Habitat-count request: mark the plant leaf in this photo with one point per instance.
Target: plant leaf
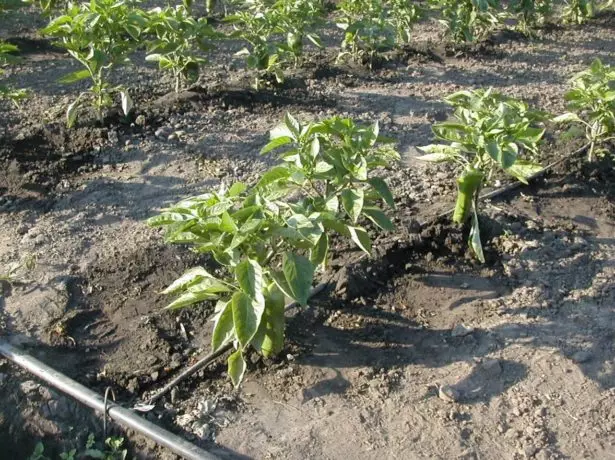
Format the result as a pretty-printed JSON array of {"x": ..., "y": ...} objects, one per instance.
[
  {"x": 474, "y": 239},
  {"x": 247, "y": 315},
  {"x": 383, "y": 190},
  {"x": 299, "y": 274},
  {"x": 236, "y": 367},
  {"x": 224, "y": 328},
  {"x": 360, "y": 238},
  {"x": 352, "y": 201},
  {"x": 190, "y": 278},
  {"x": 318, "y": 255},
  {"x": 378, "y": 217}
]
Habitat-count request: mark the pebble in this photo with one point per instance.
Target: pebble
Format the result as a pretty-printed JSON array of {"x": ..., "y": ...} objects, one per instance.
[
  {"x": 448, "y": 393},
  {"x": 29, "y": 386},
  {"x": 582, "y": 356},
  {"x": 461, "y": 330}
]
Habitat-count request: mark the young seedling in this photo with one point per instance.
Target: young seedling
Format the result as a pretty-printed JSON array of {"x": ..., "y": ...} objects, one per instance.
[
  {"x": 468, "y": 21},
  {"x": 179, "y": 41},
  {"x": 367, "y": 30},
  {"x": 592, "y": 99},
  {"x": 488, "y": 132},
  {"x": 100, "y": 35},
  {"x": 269, "y": 239}
]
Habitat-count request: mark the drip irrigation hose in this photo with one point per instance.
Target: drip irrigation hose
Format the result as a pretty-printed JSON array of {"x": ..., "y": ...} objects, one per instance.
[
  {"x": 123, "y": 416},
  {"x": 211, "y": 357}
]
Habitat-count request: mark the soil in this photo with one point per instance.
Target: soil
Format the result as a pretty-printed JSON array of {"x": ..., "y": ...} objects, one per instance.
[{"x": 416, "y": 352}]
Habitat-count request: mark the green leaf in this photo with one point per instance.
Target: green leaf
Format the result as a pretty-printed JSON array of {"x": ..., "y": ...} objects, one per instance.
[
  {"x": 504, "y": 157},
  {"x": 360, "y": 238},
  {"x": 227, "y": 223},
  {"x": 299, "y": 274},
  {"x": 247, "y": 316},
  {"x": 127, "y": 104},
  {"x": 273, "y": 175},
  {"x": 383, "y": 190},
  {"x": 75, "y": 76},
  {"x": 293, "y": 125},
  {"x": 307, "y": 228},
  {"x": 474, "y": 240},
  {"x": 276, "y": 143},
  {"x": 567, "y": 117},
  {"x": 190, "y": 278},
  {"x": 237, "y": 189},
  {"x": 318, "y": 255},
  {"x": 378, "y": 217},
  {"x": 249, "y": 275},
  {"x": 224, "y": 328},
  {"x": 530, "y": 135},
  {"x": 236, "y": 367},
  {"x": 269, "y": 339},
  {"x": 522, "y": 170},
  {"x": 190, "y": 298},
  {"x": 71, "y": 113},
  {"x": 352, "y": 201}
]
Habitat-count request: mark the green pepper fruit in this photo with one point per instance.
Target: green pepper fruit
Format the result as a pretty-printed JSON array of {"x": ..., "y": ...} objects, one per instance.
[{"x": 468, "y": 185}]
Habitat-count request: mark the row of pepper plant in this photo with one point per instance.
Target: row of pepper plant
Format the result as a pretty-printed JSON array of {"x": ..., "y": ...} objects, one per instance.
[{"x": 102, "y": 35}]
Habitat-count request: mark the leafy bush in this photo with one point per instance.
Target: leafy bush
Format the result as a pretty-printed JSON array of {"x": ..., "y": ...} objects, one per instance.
[
  {"x": 269, "y": 239},
  {"x": 592, "y": 98},
  {"x": 178, "y": 38},
  {"x": 488, "y": 132},
  {"x": 100, "y": 35},
  {"x": 578, "y": 11},
  {"x": 275, "y": 32},
  {"x": 532, "y": 14},
  {"x": 468, "y": 20},
  {"x": 403, "y": 14},
  {"x": 367, "y": 29}
]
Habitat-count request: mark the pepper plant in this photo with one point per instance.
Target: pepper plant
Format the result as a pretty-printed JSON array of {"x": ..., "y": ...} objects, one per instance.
[
  {"x": 100, "y": 35},
  {"x": 488, "y": 132},
  {"x": 275, "y": 33},
  {"x": 532, "y": 14},
  {"x": 578, "y": 11},
  {"x": 404, "y": 15},
  {"x": 269, "y": 239},
  {"x": 592, "y": 99},
  {"x": 367, "y": 30},
  {"x": 468, "y": 21},
  {"x": 179, "y": 41}
]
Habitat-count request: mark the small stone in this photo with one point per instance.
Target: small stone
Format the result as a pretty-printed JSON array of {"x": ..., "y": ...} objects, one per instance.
[
  {"x": 448, "y": 393},
  {"x": 29, "y": 386},
  {"x": 530, "y": 450},
  {"x": 582, "y": 356},
  {"x": 540, "y": 412},
  {"x": 154, "y": 376},
  {"x": 461, "y": 330}
]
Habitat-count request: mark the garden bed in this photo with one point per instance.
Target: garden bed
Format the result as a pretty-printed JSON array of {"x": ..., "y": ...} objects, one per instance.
[{"x": 523, "y": 344}]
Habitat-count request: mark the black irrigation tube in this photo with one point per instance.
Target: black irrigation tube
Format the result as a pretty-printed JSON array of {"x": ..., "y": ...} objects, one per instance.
[{"x": 123, "y": 416}]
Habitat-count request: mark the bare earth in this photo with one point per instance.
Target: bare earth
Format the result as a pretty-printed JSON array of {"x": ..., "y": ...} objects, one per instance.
[{"x": 415, "y": 353}]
